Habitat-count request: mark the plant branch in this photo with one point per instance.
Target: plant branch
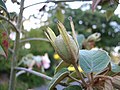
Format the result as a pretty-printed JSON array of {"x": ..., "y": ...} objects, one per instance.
[
  {"x": 34, "y": 39},
  {"x": 58, "y": 1},
  {"x": 34, "y": 72},
  {"x": 12, "y": 81}
]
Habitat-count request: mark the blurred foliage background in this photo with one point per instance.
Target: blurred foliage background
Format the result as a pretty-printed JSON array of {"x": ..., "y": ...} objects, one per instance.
[{"x": 86, "y": 23}]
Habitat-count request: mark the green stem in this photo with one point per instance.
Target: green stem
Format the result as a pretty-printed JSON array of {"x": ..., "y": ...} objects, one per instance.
[
  {"x": 12, "y": 81},
  {"x": 79, "y": 74}
]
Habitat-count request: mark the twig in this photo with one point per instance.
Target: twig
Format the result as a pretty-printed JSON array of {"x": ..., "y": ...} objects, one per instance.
[
  {"x": 34, "y": 72},
  {"x": 53, "y": 2},
  {"x": 33, "y": 39}
]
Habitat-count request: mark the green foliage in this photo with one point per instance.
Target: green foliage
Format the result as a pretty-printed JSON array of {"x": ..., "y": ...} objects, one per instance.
[
  {"x": 95, "y": 65},
  {"x": 32, "y": 81},
  {"x": 86, "y": 20},
  {"x": 93, "y": 61}
]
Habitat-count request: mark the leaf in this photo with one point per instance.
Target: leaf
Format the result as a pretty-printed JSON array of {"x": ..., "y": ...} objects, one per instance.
[
  {"x": 93, "y": 60},
  {"x": 116, "y": 82},
  {"x": 3, "y": 7},
  {"x": 108, "y": 85},
  {"x": 80, "y": 39},
  {"x": 61, "y": 65},
  {"x": 3, "y": 41},
  {"x": 115, "y": 67},
  {"x": 59, "y": 76},
  {"x": 73, "y": 87}
]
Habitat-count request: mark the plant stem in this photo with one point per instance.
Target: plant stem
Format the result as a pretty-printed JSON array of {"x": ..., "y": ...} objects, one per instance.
[
  {"x": 12, "y": 81},
  {"x": 34, "y": 39},
  {"x": 75, "y": 79},
  {"x": 79, "y": 74},
  {"x": 13, "y": 64},
  {"x": 34, "y": 72}
]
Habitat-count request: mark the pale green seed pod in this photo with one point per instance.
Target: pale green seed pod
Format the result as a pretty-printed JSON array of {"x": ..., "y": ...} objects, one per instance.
[
  {"x": 69, "y": 53},
  {"x": 65, "y": 45}
]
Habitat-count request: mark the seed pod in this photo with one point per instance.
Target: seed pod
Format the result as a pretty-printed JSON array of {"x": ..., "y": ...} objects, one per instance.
[
  {"x": 68, "y": 55},
  {"x": 64, "y": 44}
]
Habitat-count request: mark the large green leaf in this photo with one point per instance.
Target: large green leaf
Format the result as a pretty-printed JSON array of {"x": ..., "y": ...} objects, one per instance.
[
  {"x": 3, "y": 41},
  {"x": 3, "y": 7},
  {"x": 73, "y": 87},
  {"x": 93, "y": 60},
  {"x": 115, "y": 67},
  {"x": 61, "y": 65},
  {"x": 59, "y": 76}
]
